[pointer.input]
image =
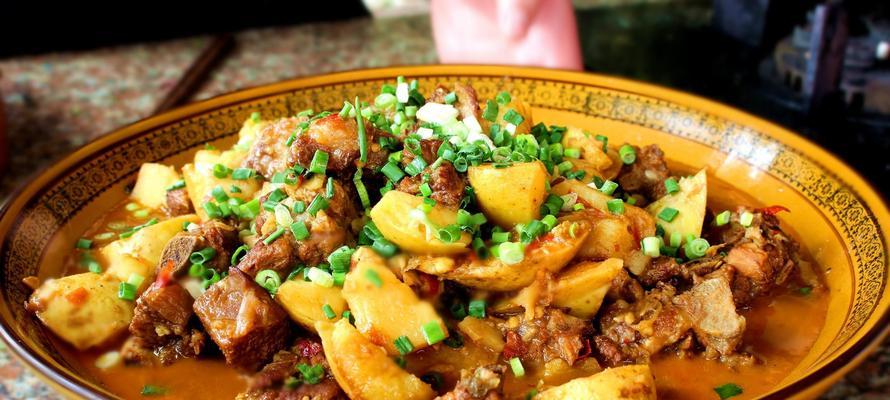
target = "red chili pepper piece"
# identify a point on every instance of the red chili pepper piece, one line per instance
(773, 210)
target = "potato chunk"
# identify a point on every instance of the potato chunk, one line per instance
(363, 370)
(82, 309)
(582, 287)
(151, 184)
(632, 382)
(511, 195)
(591, 149)
(401, 221)
(691, 202)
(200, 181)
(373, 306)
(304, 300)
(551, 253)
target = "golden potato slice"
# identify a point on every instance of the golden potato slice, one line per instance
(551, 252)
(691, 202)
(82, 309)
(384, 313)
(482, 333)
(303, 301)
(591, 149)
(632, 382)
(363, 370)
(401, 221)
(148, 243)
(511, 195)
(120, 265)
(200, 181)
(151, 184)
(582, 287)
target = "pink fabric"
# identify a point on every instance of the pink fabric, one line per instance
(515, 32)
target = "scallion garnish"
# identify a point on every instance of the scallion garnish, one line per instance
(403, 345)
(651, 246)
(362, 137)
(319, 163)
(477, 309)
(320, 277)
(273, 236)
(318, 203)
(746, 218)
(202, 256)
(668, 214)
(722, 218)
(84, 244)
(328, 311)
(516, 366)
(392, 171)
(728, 390)
(671, 185)
(615, 206)
(696, 248)
(299, 230)
(176, 185)
(433, 332)
(608, 187)
(627, 154)
(126, 291)
(221, 171)
(373, 277)
(243, 174)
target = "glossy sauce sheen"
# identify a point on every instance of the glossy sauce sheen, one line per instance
(775, 334)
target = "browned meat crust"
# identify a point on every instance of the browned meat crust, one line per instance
(484, 383)
(270, 382)
(279, 256)
(548, 337)
(243, 320)
(338, 138)
(215, 234)
(178, 203)
(447, 185)
(467, 102)
(269, 152)
(647, 174)
(161, 322)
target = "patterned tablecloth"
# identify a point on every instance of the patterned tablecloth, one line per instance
(58, 102)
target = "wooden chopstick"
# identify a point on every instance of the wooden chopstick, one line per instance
(197, 72)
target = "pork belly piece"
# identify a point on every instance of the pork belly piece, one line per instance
(243, 320)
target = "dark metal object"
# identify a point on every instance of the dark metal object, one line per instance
(827, 46)
(197, 73)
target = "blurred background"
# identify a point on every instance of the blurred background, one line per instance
(72, 71)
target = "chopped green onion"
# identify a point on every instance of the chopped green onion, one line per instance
(722, 218)
(238, 254)
(392, 171)
(477, 309)
(340, 259)
(531, 231)
(219, 194)
(746, 218)
(235, 189)
(273, 236)
(269, 280)
(510, 252)
(104, 236)
(221, 171)
(403, 345)
(696, 248)
(299, 207)
(503, 98)
(449, 234)
(255, 116)
(479, 247)
(450, 98)
(608, 187)
(615, 206)
(311, 374)
(318, 203)
(135, 279)
(320, 277)
(329, 188)
(347, 108)
(176, 185)
(361, 190)
(516, 366)
(627, 154)
(577, 207)
(384, 247)
(572, 153)
(500, 237)
(197, 270)
(362, 138)
(728, 390)
(676, 239)
(491, 111)
(84, 244)
(212, 210)
(410, 111)
(203, 255)
(319, 163)
(373, 277)
(155, 390)
(299, 230)
(605, 140)
(671, 185)
(126, 291)
(250, 209)
(426, 190)
(651, 246)
(328, 311)
(432, 332)
(131, 207)
(668, 214)
(243, 174)
(416, 166)
(564, 166)
(385, 100)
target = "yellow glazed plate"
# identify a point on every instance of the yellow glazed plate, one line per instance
(840, 219)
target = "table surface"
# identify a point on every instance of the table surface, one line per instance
(58, 102)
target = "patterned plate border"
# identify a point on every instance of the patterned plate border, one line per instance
(48, 211)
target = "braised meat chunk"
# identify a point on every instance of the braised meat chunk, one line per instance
(243, 320)
(161, 322)
(447, 186)
(222, 238)
(647, 174)
(283, 378)
(269, 152)
(467, 102)
(338, 138)
(279, 256)
(553, 335)
(483, 383)
(178, 203)
(710, 307)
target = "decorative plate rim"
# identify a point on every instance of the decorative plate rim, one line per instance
(853, 181)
